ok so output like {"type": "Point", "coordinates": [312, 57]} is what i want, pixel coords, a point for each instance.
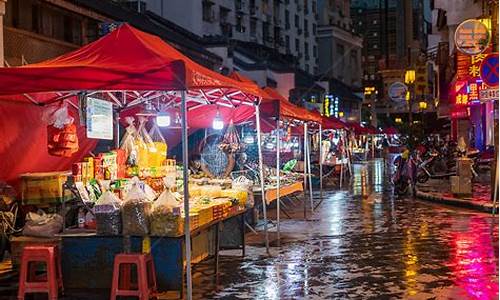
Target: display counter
{"type": "Point", "coordinates": [87, 259]}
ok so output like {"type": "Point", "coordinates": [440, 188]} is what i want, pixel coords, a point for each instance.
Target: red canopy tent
{"type": "Point", "coordinates": [332, 123]}
{"type": "Point", "coordinates": [390, 131]}
{"type": "Point", "coordinates": [127, 67]}
{"type": "Point", "coordinates": [275, 105]}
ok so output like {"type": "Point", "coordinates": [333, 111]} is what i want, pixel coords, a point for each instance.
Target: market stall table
{"type": "Point", "coordinates": [286, 192]}
{"type": "Point", "coordinates": [87, 258]}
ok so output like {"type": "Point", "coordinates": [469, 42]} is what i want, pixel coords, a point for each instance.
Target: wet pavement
{"type": "Point", "coordinates": [364, 243]}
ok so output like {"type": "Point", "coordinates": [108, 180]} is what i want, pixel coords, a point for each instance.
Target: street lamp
{"type": "Point", "coordinates": [422, 105]}
{"type": "Point", "coordinates": [410, 80]}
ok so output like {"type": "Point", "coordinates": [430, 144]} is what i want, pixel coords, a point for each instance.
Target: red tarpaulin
{"type": "Point", "coordinates": [125, 59]}
{"type": "Point", "coordinates": [23, 144]}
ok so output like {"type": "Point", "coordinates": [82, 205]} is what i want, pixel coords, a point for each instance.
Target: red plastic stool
{"type": "Point", "coordinates": [28, 281]}
{"type": "Point", "coordinates": [146, 276]}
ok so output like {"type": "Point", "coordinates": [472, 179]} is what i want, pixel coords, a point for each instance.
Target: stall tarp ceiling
{"type": "Point", "coordinates": [127, 59]}
{"type": "Point", "coordinates": [274, 102]}
{"type": "Point", "coordinates": [333, 123]}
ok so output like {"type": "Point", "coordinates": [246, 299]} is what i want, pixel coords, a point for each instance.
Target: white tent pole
{"type": "Point", "coordinates": [320, 161]}
{"type": "Point", "coordinates": [185, 162]}
{"type": "Point", "coordinates": [305, 168]}
{"type": "Point", "coordinates": [311, 199]}
{"type": "Point", "coordinates": [278, 178]}
{"type": "Point", "coordinates": [261, 174]}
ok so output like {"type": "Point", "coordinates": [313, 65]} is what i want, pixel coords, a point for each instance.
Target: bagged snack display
{"type": "Point", "coordinates": [108, 215]}
{"type": "Point", "coordinates": [62, 139]}
{"type": "Point", "coordinates": [159, 145]}
{"type": "Point", "coordinates": [166, 218]}
{"type": "Point", "coordinates": [136, 210]}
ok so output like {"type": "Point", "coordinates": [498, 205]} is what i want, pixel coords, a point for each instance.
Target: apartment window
{"type": "Point", "coordinates": [224, 14]}
{"type": "Point", "coordinates": [375, 46]}
{"type": "Point", "coordinates": [208, 15]}
{"type": "Point", "coordinates": [314, 28]}
{"type": "Point", "coordinates": [297, 21]}
{"type": "Point", "coordinates": [297, 45]}
{"type": "Point", "coordinates": [287, 2]}
{"type": "Point", "coordinates": [375, 34]}
{"type": "Point", "coordinates": [375, 22]}
{"type": "Point", "coordinates": [287, 42]}
{"type": "Point", "coordinates": [306, 6]}
{"type": "Point", "coordinates": [315, 51]}
{"type": "Point", "coordinates": [266, 34]}
{"type": "Point", "coordinates": [287, 19]}
{"type": "Point", "coordinates": [239, 24]}
{"type": "Point", "coordinates": [307, 68]}
{"type": "Point", "coordinates": [314, 8]}
{"type": "Point", "coordinates": [306, 28]}
{"type": "Point", "coordinates": [253, 27]}
{"type": "Point", "coordinates": [306, 50]}
{"type": "Point", "coordinates": [360, 23]}
{"type": "Point", "coordinates": [340, 50]}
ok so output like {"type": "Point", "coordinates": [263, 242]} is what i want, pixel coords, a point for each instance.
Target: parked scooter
{"type": "Point", "coordinates": [425, 173]}
{"type": "Point", "coordinates": [404, 177]}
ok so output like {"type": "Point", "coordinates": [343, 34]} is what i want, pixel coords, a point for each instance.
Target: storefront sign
{"type": "Point", "coordinates": [472, 37]}
{"type": "Point", "coordinates": [489, 70]}
{"type": "Point", "coordinates": [488, 94]}
{"type": "Point", "coordinates": [99, 119]}
{"type": "Point", "coordinates": [397, 91]}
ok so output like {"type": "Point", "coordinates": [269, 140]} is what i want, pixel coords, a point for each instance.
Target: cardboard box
{"type": "Point", "coordinates": [464, 167]}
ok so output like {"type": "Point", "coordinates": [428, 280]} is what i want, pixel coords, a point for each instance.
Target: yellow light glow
{"type": "Point", "coordinates": [407, 96]}
{"type": "Point", "coordinates": [410, 76]}
{"type": "Point", "coordinates": [341, 114]}
{"type": "Point", "coordinates": [398, 120]}
{"type": "Point", "coordinates": [422, 105]}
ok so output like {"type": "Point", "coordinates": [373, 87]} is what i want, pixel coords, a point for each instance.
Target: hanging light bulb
{"type": "Point", "coordinates": [217, 123]}
{"type": "Point", "coordinates": [162, 119]}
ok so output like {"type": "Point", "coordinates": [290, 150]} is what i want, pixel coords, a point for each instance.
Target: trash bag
{"type": "Point", "coordinates": [107, 214]}
{"type": "Point", "coordinates": [160, 154]}
{"type": "Point", "coordinates": [136, 210]}
{"type": "Point", "coordinates": [166, 218]}
{"type": "Point", "coordinates": [62, 139]}
{"type": "Point", "coordinates": [42, 225]}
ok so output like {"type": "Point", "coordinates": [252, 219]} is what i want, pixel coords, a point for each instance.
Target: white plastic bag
{"type": "Point", "coordinates": [108, 215]}
{"type": "Point", "coordinates": [42, 225]}
{"type": "Point", "coordinates": [128, 143]}
{"type": "Point", "coordinates": [166, 217]}
{"type": "Point", "coordinates": [57, 116]}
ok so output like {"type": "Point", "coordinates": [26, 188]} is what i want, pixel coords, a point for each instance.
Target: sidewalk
{"type": "Point", "coordinates": [439, 191]}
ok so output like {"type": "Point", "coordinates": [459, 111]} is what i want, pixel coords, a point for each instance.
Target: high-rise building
{"type": "Point", "coordinates": [286, 26]}
{"type": "Point", "coordinates": [339, 56]}
{"type": "Point", "coordinates": [394, 39]}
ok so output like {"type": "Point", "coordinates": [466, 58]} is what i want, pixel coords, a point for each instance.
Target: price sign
{"type": "Point", "coordinates": [488, 95]}
{"type": "Point", "coordinates": [99, 119]}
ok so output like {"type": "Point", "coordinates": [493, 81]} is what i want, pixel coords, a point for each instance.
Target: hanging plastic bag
{"type": "Point", "coordinates": [230, 141]}
{"type": "Point", "coordinates": [62, 139]}
{"type": "Point", "coordinates": [128, 142]}
{"type": "Point", "coordinates": [108, 215]}
{"type": "Point", "coordinates": [136, 210]}
{"type": "Point", "coordinates": [160, 146]}
{"type": "Point", "coordinates": [166, 217]}
{"type": "Point", "coordinates": [144, 145]}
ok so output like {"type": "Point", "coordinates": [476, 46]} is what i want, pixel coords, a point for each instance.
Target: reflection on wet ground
{"type": "Point", "coordinates": [364, 243]}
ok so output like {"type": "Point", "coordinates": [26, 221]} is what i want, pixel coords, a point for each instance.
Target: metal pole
{"type": "Point", "coordinates": [321, 161]}
{"type": "Point", "coordinates": [185, 162]}
{"type": "Point", "coordinates": [278, 179]}
{"type": "Point", "coordinates": [261, 174]}
{"type": "Point", "coordinates": [305, 168]}
{"type": "Point", "coordinates": [311, 199]}
{"type": "Point", "coordinates": [117, 130]}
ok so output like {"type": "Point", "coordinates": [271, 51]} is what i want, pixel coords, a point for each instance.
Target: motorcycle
{"type": "Point", "coordinates": [404, 176]}
{"type": "Point", "coordinates": [425, 172]}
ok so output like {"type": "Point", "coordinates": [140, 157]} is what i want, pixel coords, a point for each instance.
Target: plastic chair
{"type": "Point", "coordinates": [146, 276]}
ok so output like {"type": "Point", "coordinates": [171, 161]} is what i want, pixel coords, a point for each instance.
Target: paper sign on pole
{"type": "Point", "coordinates": [99, 119]}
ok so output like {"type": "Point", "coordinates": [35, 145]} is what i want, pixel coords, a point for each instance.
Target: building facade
{"type": "Point", "coordinates": [394, 40]}
{"type": "Point", "coordinates": [339, 53]}
{"type": "Point", "coordinates": [287, 26]}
